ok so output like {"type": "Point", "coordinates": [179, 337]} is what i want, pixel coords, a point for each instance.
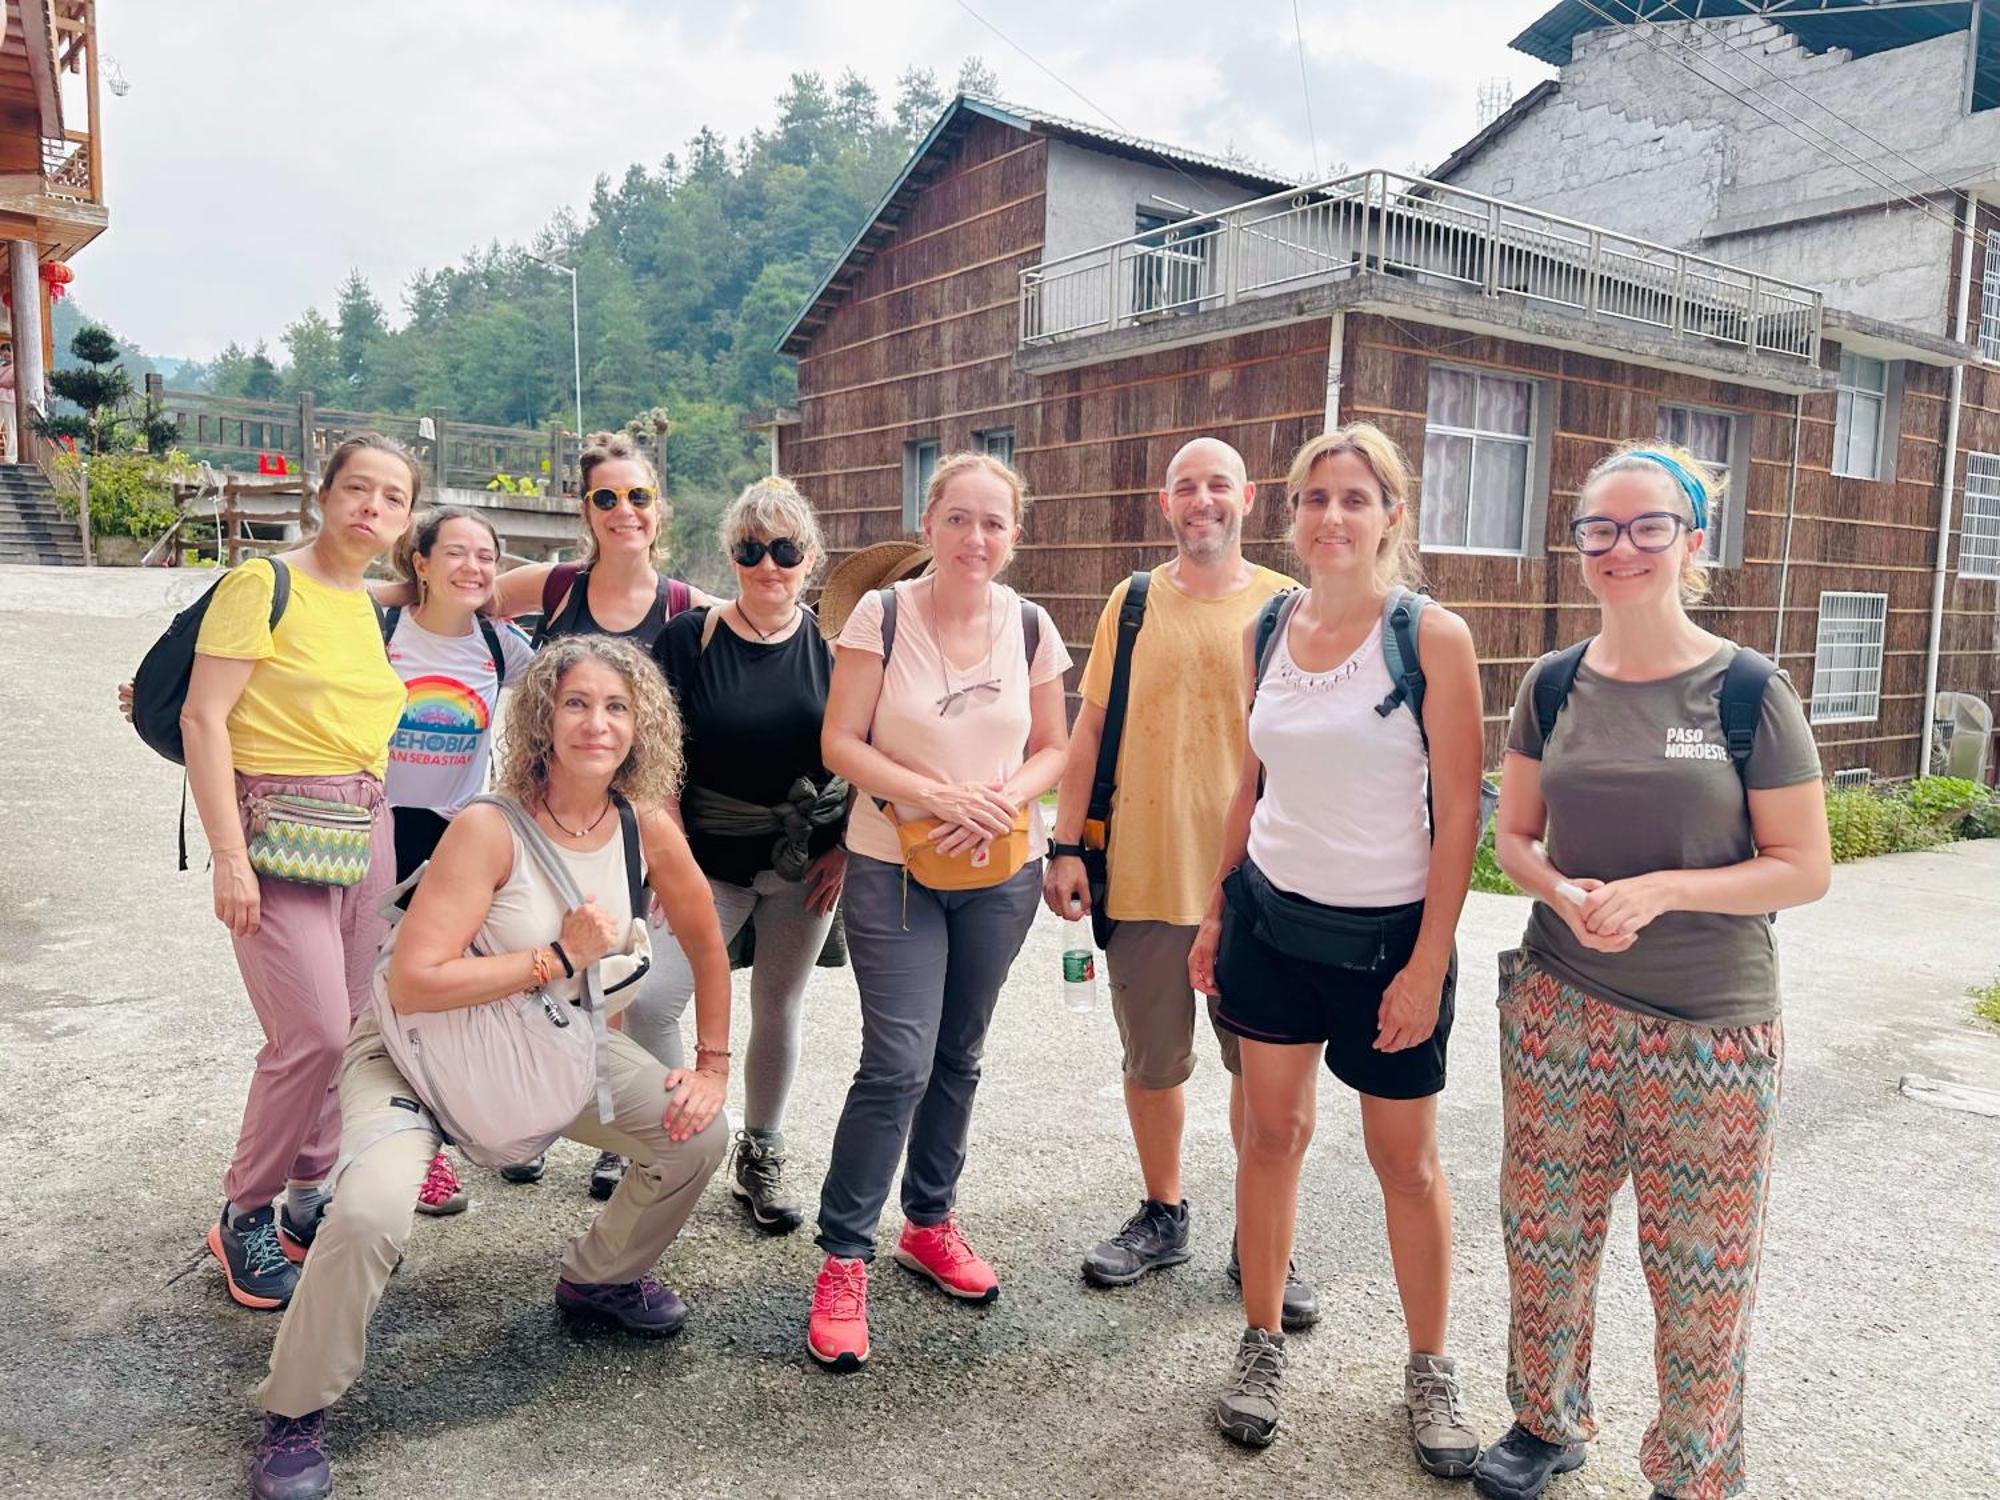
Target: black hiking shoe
{"type": "Point", "coordinates": [756, 1180]}
{"type": "Point", "coordinates": [253, 1262]}
{"type": "Point", "coordinates": [1301, 1305]}
{"type": "Point", "coordinates": [1153, 1239]}
{"type": "Point", "coordinates": [606, 1174]}
{"type": "Point", "coordinates": [1520, 1465]}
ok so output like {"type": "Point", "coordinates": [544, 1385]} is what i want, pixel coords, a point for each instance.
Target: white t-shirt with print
{"type": "Point", "coordinates": [438, 754]}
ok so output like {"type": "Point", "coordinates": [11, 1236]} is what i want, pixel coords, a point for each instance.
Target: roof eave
{"type": "Point", "coordinates": [1505, 121]}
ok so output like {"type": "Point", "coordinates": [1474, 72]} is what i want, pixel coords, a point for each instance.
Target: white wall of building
{"type": "Point", "coordinates": [1094, 198]}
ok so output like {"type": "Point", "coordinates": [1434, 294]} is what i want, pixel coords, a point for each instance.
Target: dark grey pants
{"type": "Point", "coordinates": [929, 973]}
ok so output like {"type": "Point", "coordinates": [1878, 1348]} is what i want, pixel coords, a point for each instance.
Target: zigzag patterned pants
{"type": "Point", "coordinates": [1594, 1094]}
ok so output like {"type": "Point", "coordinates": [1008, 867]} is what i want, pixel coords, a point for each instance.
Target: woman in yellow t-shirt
{"type": "Point", "coordinates": [305, 707]}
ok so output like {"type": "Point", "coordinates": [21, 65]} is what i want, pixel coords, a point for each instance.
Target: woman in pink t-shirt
{"type": "Point", "coordinates": [946, 713]}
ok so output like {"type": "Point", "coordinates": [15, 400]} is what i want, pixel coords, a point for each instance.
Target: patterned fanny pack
{"type": "Point", "coordinates": [308, 839]}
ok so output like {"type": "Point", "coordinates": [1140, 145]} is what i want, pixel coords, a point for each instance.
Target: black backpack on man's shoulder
{"type": "Point", "coordinates": [160, 686]}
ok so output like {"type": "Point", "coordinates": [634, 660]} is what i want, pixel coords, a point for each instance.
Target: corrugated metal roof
{"type": "Point", "coordinates": [956, 116]}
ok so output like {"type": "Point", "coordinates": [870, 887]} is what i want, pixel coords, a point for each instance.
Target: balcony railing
{"type": "Point", "coordinates": [1431, 234]}
{"type": "Point", "coordinates": [66, 168]}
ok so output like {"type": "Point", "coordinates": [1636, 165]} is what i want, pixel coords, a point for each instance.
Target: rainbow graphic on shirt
{"type": "Point", "coordinates": [442, 722]}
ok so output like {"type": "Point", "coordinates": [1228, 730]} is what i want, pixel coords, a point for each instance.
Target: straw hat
{"type": "Point", "coordinates": [871, 568]}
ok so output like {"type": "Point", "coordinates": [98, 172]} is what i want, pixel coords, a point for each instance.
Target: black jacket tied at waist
{"type": "Point", "coordinates": [806, 809]}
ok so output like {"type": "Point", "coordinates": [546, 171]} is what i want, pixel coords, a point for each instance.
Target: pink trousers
{"type": "Point", "coordinates": [307, 969]}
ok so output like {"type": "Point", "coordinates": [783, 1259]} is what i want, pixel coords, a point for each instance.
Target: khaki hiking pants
{"type": "Point", "coordinates": [324, 1337]}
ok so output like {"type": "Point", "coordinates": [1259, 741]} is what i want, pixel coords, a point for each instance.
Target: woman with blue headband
{"type": "Point", "coordinates": [1661, 797]}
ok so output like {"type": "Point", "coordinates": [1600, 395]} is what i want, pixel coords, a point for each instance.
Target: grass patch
{"type": "Point", "coordinates": [1986, 1001]}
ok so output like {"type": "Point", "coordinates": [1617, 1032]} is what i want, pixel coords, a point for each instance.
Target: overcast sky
{"type": "Point", "coordinates": [264, 149]}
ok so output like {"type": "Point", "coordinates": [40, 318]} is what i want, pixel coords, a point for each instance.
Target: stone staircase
{"type": "Point", "coordinates": [33, 528]}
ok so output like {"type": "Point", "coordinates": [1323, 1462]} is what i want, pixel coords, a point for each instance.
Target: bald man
{"type": "Point", "coordinates": [1177, 767]}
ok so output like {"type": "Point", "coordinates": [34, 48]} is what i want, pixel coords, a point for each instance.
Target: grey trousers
{"type": "Point", "coordinates": [789, 939]}
{"type": "Point", "coordinates": [929, 970]}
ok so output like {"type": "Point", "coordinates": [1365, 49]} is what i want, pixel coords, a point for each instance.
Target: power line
{"type": "Point", "coordinates": [1312, 134]}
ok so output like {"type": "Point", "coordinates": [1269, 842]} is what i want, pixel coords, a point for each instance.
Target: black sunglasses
{"type": "Point", "coordinates": [607, 498]}
{"type": "Point", "coordinates": [785, 552]}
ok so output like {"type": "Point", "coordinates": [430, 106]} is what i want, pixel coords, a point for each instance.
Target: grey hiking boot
{"type": "Point", "coordinates": [1153, 1239]}
{"type": "Point", "coordinates": [756, 1181]}
{"type": "Point", "coordinates": [1445, 1442]}
{"type": "Point", "coordinates": [1301, 1306]}
{"type": "Point", "coordinates": [1247, 1409]}
{"type": "Point", "coordinates": [605, 1176]}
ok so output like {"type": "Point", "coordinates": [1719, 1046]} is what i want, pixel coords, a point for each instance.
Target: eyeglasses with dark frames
{"type": "Point", "coordinates": [1654, 531]}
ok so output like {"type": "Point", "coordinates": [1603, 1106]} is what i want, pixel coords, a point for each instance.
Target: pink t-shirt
{"type": "Point", "coordinates": [985, 741]}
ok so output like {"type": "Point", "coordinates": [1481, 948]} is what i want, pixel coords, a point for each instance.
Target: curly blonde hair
{"type": "Point", "coordinates": [607, 447]}
{"type": "Point", "coordinates": [651, 774]}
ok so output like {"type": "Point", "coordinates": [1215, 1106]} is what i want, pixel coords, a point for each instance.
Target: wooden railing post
{"type": "Point", "coordinates": [308, 444]}
{"type": "Point", "coordinates": [555, 487]}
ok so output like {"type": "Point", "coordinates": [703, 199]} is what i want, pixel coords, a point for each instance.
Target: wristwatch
{"type": "Point", "coordinates": [1065, 851]}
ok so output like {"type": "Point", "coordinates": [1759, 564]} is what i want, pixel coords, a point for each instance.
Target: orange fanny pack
{"type": "Point", "coordinates": [998, 860]}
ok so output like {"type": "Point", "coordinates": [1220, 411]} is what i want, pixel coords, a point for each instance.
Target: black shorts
{"type": "Point", "coordinates": [1269, 996]}
{"type": "Point", "coordinates": [418, 830]}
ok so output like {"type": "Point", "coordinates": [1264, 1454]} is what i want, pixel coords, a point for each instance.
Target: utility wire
{"type": "Point", "coordinates": [1312, 134]}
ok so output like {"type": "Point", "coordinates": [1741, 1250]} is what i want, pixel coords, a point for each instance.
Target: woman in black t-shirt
{"type": "Point", "coordinates": [763, 815]}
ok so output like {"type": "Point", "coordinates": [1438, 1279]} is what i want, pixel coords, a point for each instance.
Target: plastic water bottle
{"type": "Point", "coordinates": [1079, 962]}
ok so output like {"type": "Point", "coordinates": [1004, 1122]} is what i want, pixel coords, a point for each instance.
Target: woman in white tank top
{"type": "Point", "coordinates": [1329, 934]}
{"type": "Point", "coordinates": [592, 717]}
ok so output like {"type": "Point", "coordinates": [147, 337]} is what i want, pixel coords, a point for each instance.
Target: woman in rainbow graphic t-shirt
{"type": "Point", "coordinates": [452, 660]}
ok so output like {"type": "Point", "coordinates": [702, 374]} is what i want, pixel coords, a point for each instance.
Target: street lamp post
{"type": "Point", "coordinates": [575, 334]}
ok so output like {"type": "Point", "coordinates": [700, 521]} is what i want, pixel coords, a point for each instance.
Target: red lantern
{"type": "Point", "coordinates": [58, 275]}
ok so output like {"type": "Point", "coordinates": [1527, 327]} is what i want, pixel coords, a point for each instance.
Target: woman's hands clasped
{"type": "Point", "coordinates": [971, 813]}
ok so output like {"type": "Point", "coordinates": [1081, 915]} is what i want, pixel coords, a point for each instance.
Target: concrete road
{"type": "Point", "coordinates": [126, 1043]}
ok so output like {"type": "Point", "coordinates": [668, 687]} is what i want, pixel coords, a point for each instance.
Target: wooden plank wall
{"type": "Point", "coordinates": [1970, 660]}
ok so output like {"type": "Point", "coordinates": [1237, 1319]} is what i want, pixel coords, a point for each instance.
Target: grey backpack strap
{"type": "Point", "coordinates": [1272, 622]}
{"type": "Point", "coordinates": [1031, 632]}
{"type": "Point", "coordinates": [1401, 612]}
{"type": "Point", "coordinates": [888, 598]}
{"type": "Point", "coordinates": [528, 834]}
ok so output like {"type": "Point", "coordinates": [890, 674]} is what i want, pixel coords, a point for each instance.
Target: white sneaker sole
{"type": "Point", "coordinates": [910, 1263]}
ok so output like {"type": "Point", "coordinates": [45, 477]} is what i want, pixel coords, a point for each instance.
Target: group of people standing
{"type": "Point", "coordinates": [1298, 800]}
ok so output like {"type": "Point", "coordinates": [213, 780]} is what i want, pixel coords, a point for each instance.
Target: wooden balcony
{"type": "Point", "coordinates": [51, 171]}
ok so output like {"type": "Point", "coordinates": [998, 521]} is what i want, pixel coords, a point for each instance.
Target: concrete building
{"type": "Point", "coordinates": [1506, 346]}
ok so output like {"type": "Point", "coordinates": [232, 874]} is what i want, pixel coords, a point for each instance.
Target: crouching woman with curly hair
{"type": "Point", "coordinates": [593, 718]}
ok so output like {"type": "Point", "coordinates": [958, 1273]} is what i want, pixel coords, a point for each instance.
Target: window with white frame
{"type": "Point", "coordinates": [1479, 461]}
{"type": "Point", "coordinates": [1979, 528]}
{"type": "Point", "coordinates": [1847, 658]}
{"type": "Point", "coordinates": [1707, 435]}
{"type": "Point", "coordinates": [1857, 419]}
{"type": "Point", "coordinates": [919, 463]}
{"type": "Point", "coordinates": [997, 442]}
{"type": "Point", "coordinates": [1989, 301]}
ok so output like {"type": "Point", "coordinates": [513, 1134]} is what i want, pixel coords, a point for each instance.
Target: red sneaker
{"type": "Point", "coordinates": [441, 1193]}
{"type": "Point", "coordinates": [837, 1334]}
{"type": "Point", "coordinates": [940, 1252]}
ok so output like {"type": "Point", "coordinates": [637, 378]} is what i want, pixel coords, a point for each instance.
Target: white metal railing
{"type": "Point", "coordinates": [1429, 233]}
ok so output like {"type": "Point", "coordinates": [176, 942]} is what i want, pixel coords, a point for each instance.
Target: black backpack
{"type": "Point", "coordinates": [1740, 703]}
{"type": "Point", "coordinates": [160, 686]}
{"type": "Point", "coordinates": [395, 612]}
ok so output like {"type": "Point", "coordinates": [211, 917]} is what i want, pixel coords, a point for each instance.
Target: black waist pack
{"type": "Point", "coordinates": [1317, 934]}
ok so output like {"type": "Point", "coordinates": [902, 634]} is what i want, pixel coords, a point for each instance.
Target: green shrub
{"type": "Point", "coordinates": [1857, 823]}
{"type": "Point", "coordinates": [1983, 820]}
{"type": "Point", "coordinates": [131, 494]}
{"type": "Point", "coordinates": [1905, 826]}
{"type": "Point", "coordinates": [1486, 872]}
{"type": "Point", "coordinates": [1986, 1001]}
{"type": "Point", "coordinates": [1945, 800]}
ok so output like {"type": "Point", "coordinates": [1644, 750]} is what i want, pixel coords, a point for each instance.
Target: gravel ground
{"type": "Point", "coordinates": [125, 1046]}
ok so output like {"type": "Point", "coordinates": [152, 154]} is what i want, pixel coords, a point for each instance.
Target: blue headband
{"type": "Point", "coordinates": [1692, 487]}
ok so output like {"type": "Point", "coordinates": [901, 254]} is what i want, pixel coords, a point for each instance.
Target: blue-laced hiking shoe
{"type": "Point", "coordinates": [1301, 1304]}
{"type": "Point", "coordinates": [291, 1462]}
{"type": "Point", "coordinates": [253, 1262]}
{"type": "Point", "coordinates": [1520, 1465]}
{"type": "Point", "coordinates": [294, 1238]}
{"type": "Point", "coordinates": [1153, 1239]}
{"type": "Point", "coordinates": [643, 1307]}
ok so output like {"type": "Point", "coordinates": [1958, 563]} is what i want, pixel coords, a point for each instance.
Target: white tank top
{"type": "Point", "coordinates": [527, 914]}
{"type": "Point", "coordinates": [1343, 819]}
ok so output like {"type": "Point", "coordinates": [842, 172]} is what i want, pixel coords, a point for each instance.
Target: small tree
{"type": "Point", "coordinates": [104, 422]}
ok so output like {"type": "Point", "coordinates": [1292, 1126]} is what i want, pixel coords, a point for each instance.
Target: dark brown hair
{"type": "Point", "coordinates": [375, 442]}
{"type": "Point", "coordinates": [423, 534]}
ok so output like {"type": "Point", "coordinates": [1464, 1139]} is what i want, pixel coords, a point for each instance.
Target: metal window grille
{"type": "Point", "coordinates": [1847, 658]}
{"type": "Point", "coordinates": [1979, 528]}
{"type": "Point", "coordinates": [1706, 435]}
{"type": "Point", "coordinates": [1853, 776]}
{"type": "Point", "coordinates": [1989, 302]}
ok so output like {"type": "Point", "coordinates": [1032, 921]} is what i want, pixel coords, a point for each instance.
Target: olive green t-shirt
{"type": "Point", "coordinates": [1636, 777]}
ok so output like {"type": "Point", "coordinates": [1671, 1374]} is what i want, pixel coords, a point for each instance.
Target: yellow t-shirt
{"type": "Point", "coordinates": [323, 699]}
{"type": "Point", "coordinates": [1183, 744]}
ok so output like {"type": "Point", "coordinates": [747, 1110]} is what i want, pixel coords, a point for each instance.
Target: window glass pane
{"type": "Point", "coordinates": [1452, 397]}
{"type": "Point", "coordinates": [1447, 487]}
{"type": "Point", "coordinates": [1504, 405]}
{"type": "Point", "coordinates": [1864, 430]}
{"type": "Point", "coordinates": [1499, 494]}
{"type": "Point", "coordinates": [1863, 373]}
{"type": "Point", "coordinates": [1708, 436]}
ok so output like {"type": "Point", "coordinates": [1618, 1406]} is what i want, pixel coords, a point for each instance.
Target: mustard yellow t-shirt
{"type": "Point", "coordinates": [323, 699]}
{"type": "Point", "coordinates": [1183, 744]}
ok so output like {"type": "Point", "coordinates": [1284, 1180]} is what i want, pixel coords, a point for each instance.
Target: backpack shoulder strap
{"type": "Point", "coordinates": [1401, 613]}
{"type": "Point", "coordinates": [1552, 685]}
{"type": "Point", "coordinates": [1031, 632]}
{"type": "Point", "coordinates": [888, 598]}
{"type": "Point", "coordinates": [556, 589]}
{"type": "Point", "coordinates": [710, 618]}
{"type": "Point", "coordinates": [392, 615]}
{"type": "Point", "coordinates": [1741, 702]}
{"type": "Point", "coordinates": [281, 589]}
{"type": "Point", "coordinates": [1271, 619]}
{"type": "Point", "coordinates": [1131, 616]}
{"type": "Point", "coordinates": [635, 880]}
{"type": "Point", "coordinates": [492, 636]}
{"type": "Point", "coordinates": [675, 595]}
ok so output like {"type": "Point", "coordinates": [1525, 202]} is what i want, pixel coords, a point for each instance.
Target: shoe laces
{"type": "Point", "coordinates": [609, 1164]}
{"type": "Point", "coordinates": [951, 1242]}
{"type": "Point", "coordinates": [1135, 1230]}
{"type": "Point", "coordinates": [842, 1290]}
{"type": "Point", "coordinates": [296, 1435]}
{"type": "Point", "coordinates": [262, 1254]}
{"type": "Point", "coordinates": [1260, 1365]}
{"type": "Point", "coordinates": [758, 1166]}
{"type": "Point", "coordinates": [440, 1182]}
{"type": "Point", "coordinates": [650, 1290]}
{"type": "Point", "coordinates": [1438, 1397]}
